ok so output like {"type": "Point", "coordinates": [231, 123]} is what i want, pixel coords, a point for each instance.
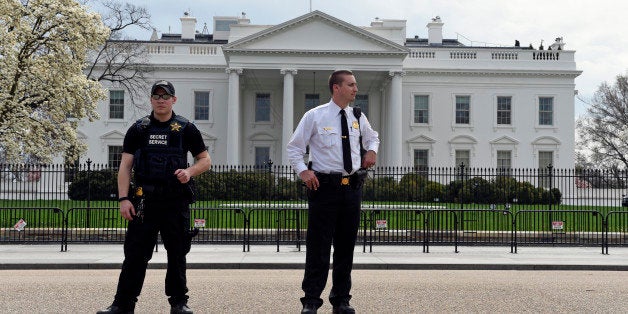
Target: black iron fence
{"type": "Point", "coordinates": [267, 205]}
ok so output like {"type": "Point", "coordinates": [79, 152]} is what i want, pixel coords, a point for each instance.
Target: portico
{"type": "Point", "coordinates": [291, 63]}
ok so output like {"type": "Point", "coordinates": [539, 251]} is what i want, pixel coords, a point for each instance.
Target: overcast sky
{"type": "Point", "coordinates": [596, 30]}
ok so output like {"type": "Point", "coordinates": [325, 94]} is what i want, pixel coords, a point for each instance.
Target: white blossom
{"type": "Point", "coordinates": [43, 88]}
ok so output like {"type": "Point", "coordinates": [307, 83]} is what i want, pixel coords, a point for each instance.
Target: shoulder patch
{"type": "Point", "coordinates": [181, 120]}
{"type": "Point", "coordinates": [143, 123]}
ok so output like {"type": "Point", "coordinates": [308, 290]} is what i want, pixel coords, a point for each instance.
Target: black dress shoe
{"type": "Point", "coordinates": [114, 309]}
{"type": "Point", "coordinates": [180, 308]}
{"type": "Point", "coordinates": [343, 308]}
{"type": "Point", "coordinates": [309, 309]}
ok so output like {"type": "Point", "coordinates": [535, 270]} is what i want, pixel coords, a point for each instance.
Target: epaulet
{"type": "Point", "coordinates": [143, 123]}
{"type": "Point", "coordinates": [181, 119]}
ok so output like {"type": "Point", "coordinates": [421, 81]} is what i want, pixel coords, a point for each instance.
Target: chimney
{"type": "Point", "coordinates": [188, 27]}
{"type": "Point", "coordinates": [377, 23]}
{"type": "Point", "coordinates": [243, 19]}
{"type": "Point", "coordinates": [154, 36]}
{"type": "Point", "coordinates": [435, 32]}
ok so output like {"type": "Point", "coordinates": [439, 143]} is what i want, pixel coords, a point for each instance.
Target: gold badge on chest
{"type": "Point", "coordinates": [174, 126]}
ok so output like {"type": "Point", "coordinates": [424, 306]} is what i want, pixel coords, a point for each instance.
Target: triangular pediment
{"type": "Point", "coordinates": [421, 139]}
{"type": "Point", "coordinates": [317, 33]}
{"type": "Point", "coordinates": [80, 135]}
{"type": "Point", "coordinates": [505, 140]}
{"type": "Point", "coordinates": [208, 137]}
{"type": "Point", "coordinates": [112, 135]}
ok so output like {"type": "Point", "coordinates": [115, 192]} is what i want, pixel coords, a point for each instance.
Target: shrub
{"type": "Point", "coordinates": [380, 189]}
{"type": "Point", "coordinates": [100, 185]}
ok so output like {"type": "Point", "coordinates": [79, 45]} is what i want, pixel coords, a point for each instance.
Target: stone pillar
{"type": "Point", "coordinates": [382, 157]}
{"type": "Point", "coordinates": [233, 116]}
{"type": "Point", "coordinates": [288, 112]}
{"type": "Point", "coordinates": [395, 116]}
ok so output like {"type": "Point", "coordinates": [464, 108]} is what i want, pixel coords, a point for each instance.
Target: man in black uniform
{"type": "Point", "coordinates": [156, 149]}
{"type": "Point", "coordinates": [336, 135]}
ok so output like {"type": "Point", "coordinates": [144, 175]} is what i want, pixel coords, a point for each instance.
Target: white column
{"type": "Point", "coordinates": [382, 157]}
{"type": "Point", "coordinates": [395, 115]}
{"type": "Point", "coordinates": [233, 117]}
{"type": "Point", "coordinates": [288, 112]}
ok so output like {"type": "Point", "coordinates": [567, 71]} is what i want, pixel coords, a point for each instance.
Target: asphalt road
{"type": "Point", "coordinates": [375, 291]}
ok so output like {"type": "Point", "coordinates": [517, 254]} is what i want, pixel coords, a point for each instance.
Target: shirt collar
{"type": "Point", "coordinates": [334, 108]}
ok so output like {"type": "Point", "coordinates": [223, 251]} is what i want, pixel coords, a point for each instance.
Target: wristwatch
{"type": "Point", "coordinates": [124, 198]}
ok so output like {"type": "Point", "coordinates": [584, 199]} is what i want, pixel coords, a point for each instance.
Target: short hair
{"type": "Point", "coordinates": [336, 78]}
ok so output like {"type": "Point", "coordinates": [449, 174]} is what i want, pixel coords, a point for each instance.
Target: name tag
{"type": "Point", "coordinates": [158, 139]}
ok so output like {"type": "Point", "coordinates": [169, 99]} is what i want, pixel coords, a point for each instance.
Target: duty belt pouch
{"type": "Point", "coordinates": [358, 178]}
{"type": "Point", "coordinates": [189, 191]}
{"type": "Point", "coordinates": [188, 239]}
{"type": "Point", "coordinates": [148, 191]}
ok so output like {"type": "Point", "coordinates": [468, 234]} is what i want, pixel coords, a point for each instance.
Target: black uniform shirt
{"type": "Point", "coordinates": [192, 139]}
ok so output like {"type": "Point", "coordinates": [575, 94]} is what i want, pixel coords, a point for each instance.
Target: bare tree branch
{"type": "Point", "coordinates": [121, 60]}
{"type": "Point", "coordinates": [603, 134]}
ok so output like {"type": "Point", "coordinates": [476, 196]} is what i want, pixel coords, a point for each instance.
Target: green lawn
{"type": "Point", "coordinates": [230, 214]}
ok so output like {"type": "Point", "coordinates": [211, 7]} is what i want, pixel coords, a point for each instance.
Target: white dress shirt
{"type": "Point", "coordinates": [320, 129]}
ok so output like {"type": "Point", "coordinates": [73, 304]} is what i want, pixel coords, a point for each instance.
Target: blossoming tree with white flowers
{"type": "Point", "coordinates": [44, 91]}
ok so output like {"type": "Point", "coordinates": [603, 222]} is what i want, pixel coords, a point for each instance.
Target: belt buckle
{"type": "Point", "coordinates": [344, 181]}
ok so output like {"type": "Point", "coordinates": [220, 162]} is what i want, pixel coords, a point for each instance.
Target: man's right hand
{"type": "Point", "coordinates": [127, 210]}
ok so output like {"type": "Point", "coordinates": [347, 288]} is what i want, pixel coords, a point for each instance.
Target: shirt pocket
{"type": "Point", "coordinates": [354, 136]}
{"type": "Point", "coordinates": [329, 137]}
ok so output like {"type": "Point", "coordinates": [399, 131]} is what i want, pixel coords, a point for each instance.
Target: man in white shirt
{"type": "Point", "coordinates": [334, 177]}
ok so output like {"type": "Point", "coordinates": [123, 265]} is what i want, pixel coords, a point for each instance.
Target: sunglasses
{"type": "Point", "coordinates": [164, 96]}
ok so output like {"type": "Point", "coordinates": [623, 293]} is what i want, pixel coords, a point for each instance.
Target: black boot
{"type": "Point", "coordinates": [309, 308]}
{"type": "Point", "coordinates": [115, 309]}
{"type": "Point", "coordinates": [180, 308]}
{"type": "Point", "coordinates": [343, 308]}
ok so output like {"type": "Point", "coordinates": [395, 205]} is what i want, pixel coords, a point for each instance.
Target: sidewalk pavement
{"type": "Point", "coordinates": [206, 256]}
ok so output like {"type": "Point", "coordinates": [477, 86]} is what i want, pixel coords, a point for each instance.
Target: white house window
{"type": "Point", "coordinates": [463, 157]}
{"type": "Point", "coordinates": [504, 159]}
{"type": "Point", "coordinates": [504, 110]}
{"type": "Point", "coordinates": [546, 158]}
{"type": "Point", "coordinates": [201, 105]}
{"type": "Point", "coordinates": [116, 104]}
{"type": "Point", "coordinates": [421, 161]}
{"type": "Point", "coordinates": [421, 109]}
{"type": "Point", "coordinates": [362, 102]}
{"type": "Point", "coordinates": [311, 101]}
{"type": "Point", "coordinates": [262, 107]}
{"type": "Point", "coordinates": [262, 156]}
{"type": "Point", "coordinates": [546, 110]}
{"type": "Point", "coordinates": [463, 109]}
{"type": "Point", "coordinates": [114, 156]}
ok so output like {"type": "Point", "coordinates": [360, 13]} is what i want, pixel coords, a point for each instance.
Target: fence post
{"type": "Point", "coordinates": [549, 200]}
{"type": "Point", "coordinates": [269, 163]}
{"type": "Point", "coordinates": [461, 185]}
{"type": "Point", "coordinates": [89, 192]}
{"type": "Point", "coordinates": [549, 175]}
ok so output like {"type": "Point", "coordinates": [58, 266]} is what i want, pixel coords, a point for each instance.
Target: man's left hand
{"type": "Point", "coordinates": [369, 159]}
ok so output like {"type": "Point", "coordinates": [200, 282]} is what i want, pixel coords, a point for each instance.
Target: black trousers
{"type": "Point", "coordinates": [333, 217]}
{"type": "Point", "coordinates": [172, 221]}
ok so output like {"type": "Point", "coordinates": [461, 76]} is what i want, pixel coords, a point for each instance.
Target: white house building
{"type": "Point", "coordinates": [434, 101]}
